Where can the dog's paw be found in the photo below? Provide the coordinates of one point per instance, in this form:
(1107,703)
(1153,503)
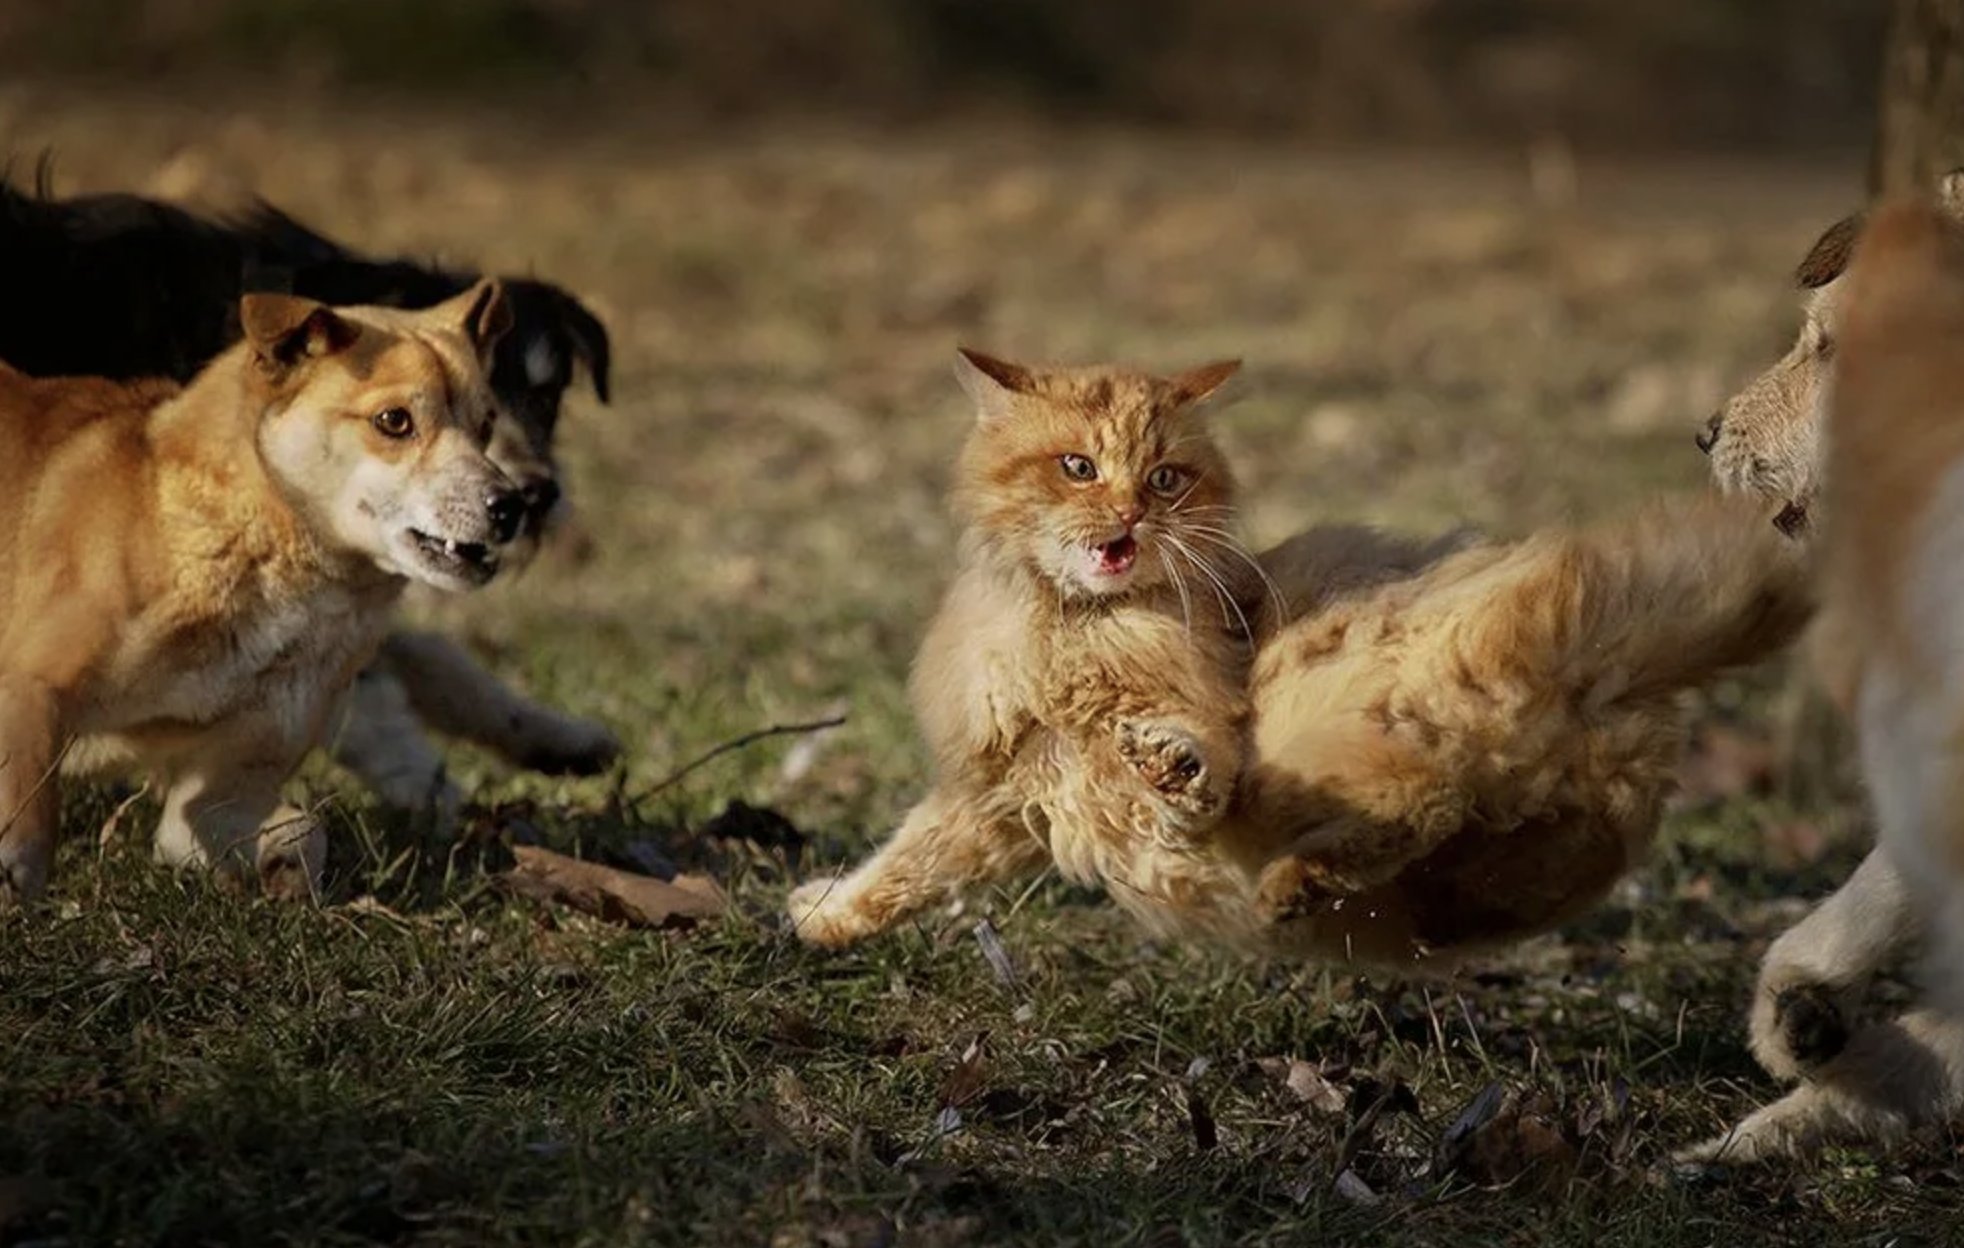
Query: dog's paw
(292,856)
(1169,760)
(1797,1025)
(822,913)
(578,747)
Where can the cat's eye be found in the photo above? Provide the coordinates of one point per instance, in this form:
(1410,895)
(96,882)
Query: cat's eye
(1166,479)
(1078,468)
(394,422)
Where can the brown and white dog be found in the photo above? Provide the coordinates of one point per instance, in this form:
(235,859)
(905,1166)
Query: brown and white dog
(1890,645)
(189,578)
(124,287)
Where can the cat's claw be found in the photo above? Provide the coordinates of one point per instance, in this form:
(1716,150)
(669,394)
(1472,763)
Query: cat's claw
(1169,760)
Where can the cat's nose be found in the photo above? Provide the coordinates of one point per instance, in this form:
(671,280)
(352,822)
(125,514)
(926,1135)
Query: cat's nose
(1130,514)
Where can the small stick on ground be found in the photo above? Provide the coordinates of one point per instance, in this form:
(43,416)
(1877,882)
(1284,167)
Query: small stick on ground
(776,730)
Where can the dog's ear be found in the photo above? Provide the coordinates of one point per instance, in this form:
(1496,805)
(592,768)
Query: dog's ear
(1828,258)
(589,338)
(285,329)
(1197,383)
(486,316)
(990,382)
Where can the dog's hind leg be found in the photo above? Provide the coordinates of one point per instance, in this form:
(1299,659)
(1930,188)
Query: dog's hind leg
(453,694)
(30,754)
(1814,974)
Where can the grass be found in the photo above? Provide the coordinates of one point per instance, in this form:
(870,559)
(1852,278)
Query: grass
(424,1059)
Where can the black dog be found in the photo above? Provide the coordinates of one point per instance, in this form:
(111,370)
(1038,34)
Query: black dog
(121,286)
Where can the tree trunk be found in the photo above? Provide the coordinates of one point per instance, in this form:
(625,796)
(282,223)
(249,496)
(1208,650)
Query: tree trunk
(1920,127)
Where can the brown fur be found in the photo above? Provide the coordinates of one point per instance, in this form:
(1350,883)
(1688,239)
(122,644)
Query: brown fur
(189,578)
(1444,748)
(1893,618)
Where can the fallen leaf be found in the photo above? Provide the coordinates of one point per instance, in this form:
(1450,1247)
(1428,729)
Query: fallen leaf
(964,1082)
(612,894)
(1496,1142)
(1355,1190)
(1309,1083)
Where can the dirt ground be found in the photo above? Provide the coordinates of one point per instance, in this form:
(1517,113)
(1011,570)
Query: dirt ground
(1430,341)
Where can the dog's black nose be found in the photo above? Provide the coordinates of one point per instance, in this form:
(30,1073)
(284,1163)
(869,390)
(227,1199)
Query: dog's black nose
(507,511)
(540,495)
(1709,439)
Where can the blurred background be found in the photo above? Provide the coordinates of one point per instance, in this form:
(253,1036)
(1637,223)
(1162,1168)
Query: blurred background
(1785,74)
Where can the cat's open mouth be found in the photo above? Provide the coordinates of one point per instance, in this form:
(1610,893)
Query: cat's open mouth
(1115,557)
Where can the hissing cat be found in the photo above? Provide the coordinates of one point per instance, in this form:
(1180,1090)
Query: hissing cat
(1079,676)
(1447,747)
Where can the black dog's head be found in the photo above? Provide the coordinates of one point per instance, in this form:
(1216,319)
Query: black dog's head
(553,334)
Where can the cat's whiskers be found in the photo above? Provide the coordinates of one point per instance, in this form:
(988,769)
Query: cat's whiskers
(1227,540)
(1219,586)
(1173,574)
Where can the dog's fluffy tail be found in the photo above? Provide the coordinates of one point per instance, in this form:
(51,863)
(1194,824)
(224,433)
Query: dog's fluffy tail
(1660,600)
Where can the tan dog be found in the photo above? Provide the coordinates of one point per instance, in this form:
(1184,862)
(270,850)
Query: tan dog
(1766,440)
(188,579)
(1891,649)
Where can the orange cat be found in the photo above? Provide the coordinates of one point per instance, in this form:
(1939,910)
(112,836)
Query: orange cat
(1446,748)
(1071,682)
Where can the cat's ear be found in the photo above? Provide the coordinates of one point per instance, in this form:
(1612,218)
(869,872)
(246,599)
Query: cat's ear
(1197,383)
(990,382)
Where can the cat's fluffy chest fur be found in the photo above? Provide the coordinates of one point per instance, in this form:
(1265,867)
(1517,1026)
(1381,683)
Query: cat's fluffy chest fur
(1006,662)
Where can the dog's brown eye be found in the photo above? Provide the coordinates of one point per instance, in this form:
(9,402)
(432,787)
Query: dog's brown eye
(1166,479)
(1078,468)
(396,422)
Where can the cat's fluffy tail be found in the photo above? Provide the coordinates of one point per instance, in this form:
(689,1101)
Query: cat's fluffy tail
(1662,599)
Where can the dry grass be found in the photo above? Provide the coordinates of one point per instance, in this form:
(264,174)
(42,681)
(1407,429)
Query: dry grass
(425,1060)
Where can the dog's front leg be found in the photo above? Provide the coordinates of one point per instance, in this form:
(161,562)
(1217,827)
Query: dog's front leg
(30,753)
(379,738)
(947,843)
(1815,972)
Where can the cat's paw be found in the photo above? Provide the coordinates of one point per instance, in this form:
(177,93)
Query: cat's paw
(822,913)
(1797,1025)
(1292,888)
(1169,760)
